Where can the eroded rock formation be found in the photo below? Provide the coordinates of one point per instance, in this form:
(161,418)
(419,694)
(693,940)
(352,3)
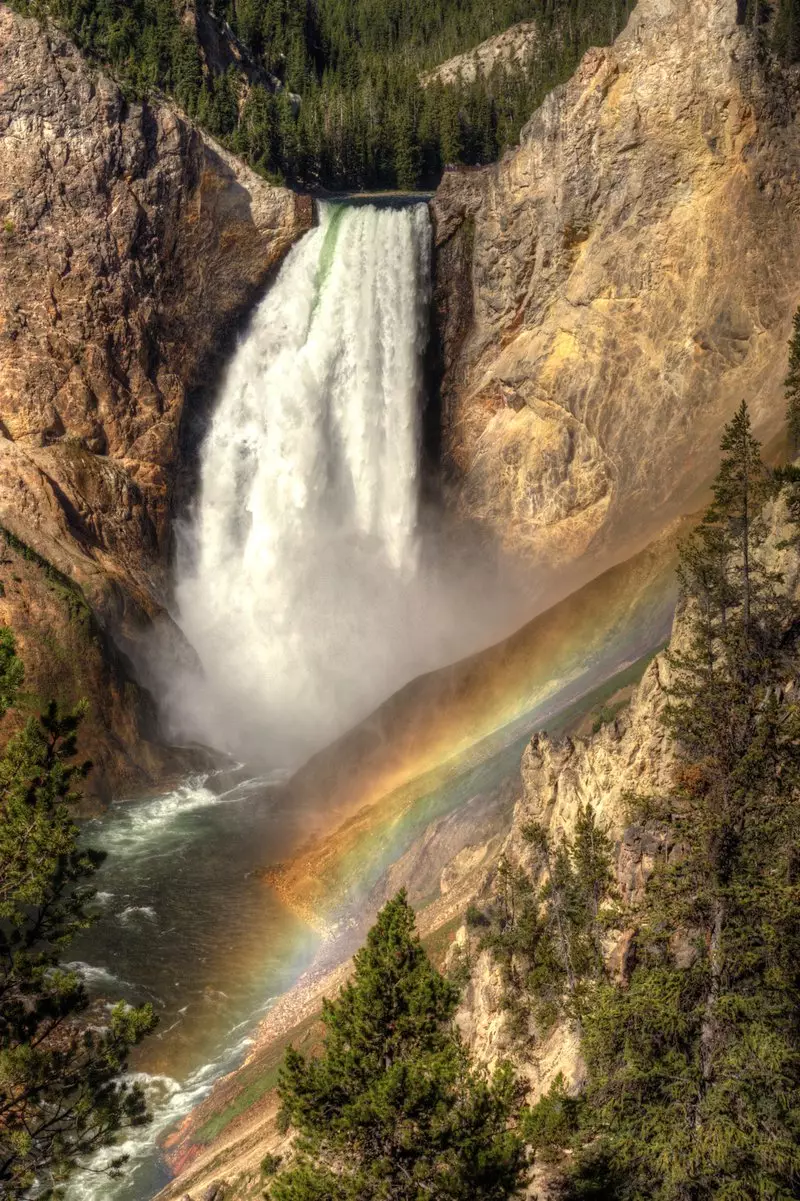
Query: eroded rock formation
(131,244)
(609,291)
(631,756)
(513,48)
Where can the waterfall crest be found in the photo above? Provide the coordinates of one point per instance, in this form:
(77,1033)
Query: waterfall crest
(306,522)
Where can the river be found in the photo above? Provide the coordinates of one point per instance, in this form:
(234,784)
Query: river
(187,923)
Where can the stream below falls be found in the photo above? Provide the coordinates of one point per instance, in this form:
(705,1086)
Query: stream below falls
(187,923)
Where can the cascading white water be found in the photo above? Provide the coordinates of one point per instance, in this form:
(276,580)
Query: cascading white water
(306,524)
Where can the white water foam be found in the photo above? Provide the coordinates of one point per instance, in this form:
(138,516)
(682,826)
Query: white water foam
(96,976)
(140,826)
(136,912)
(169,1101)
(306,527)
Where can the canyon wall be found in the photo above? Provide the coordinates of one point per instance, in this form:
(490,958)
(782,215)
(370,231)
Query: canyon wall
(632,755)
(131,246)
(610,291)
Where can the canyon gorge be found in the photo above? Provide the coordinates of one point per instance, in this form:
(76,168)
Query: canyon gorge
(337,511)
(636,254)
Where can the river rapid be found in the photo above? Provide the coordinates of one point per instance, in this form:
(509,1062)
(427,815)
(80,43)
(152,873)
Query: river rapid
(186,922)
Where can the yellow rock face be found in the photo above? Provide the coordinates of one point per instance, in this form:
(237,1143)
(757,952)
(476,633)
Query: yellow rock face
(130,244)
(608,293)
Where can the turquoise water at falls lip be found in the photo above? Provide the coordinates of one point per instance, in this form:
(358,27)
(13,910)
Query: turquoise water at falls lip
(187,923)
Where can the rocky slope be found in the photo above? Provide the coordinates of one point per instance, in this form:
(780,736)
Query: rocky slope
(610,290)
(631,755)
(131,244)
(513,48)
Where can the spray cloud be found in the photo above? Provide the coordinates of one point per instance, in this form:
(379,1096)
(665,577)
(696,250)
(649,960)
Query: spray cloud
(302,583)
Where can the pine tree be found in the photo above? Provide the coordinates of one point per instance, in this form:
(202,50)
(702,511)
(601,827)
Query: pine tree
(593,886)
(450,137)
(287,136)
(257,132)
(392,1107)
(62,1091)
(406,155)
(546,931)
(186,71)
(223,114)
(694,1069)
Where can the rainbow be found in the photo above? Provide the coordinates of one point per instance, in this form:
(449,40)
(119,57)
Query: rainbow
(452,732)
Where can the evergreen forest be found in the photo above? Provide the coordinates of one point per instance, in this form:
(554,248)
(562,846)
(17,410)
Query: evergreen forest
(65,1090)
(329,94)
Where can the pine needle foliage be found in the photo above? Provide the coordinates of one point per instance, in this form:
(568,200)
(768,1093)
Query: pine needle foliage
(545,930)
(694,1066)
(62,1091)
(333,94)
(550,1124)
(392,1107)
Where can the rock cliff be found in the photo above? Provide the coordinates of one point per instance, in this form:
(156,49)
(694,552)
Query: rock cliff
(514,48)
(632,755)
(131,245)
(610,290)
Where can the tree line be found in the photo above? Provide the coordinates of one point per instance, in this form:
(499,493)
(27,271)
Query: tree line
(335,99)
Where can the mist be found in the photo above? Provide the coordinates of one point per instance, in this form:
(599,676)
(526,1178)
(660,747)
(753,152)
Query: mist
(309,582)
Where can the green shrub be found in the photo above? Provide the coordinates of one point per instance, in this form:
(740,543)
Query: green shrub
(549,1126)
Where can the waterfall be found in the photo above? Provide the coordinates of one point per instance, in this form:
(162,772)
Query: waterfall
(305,530)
